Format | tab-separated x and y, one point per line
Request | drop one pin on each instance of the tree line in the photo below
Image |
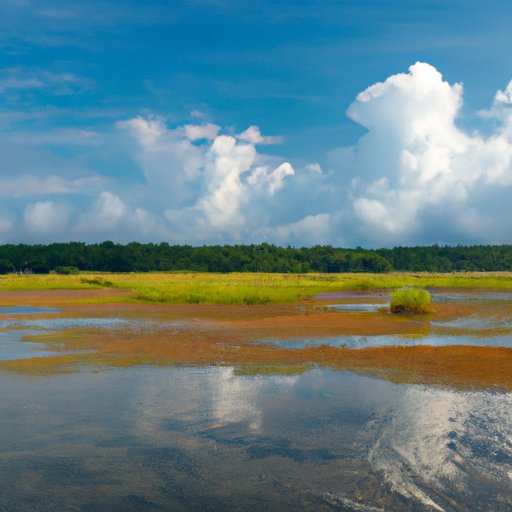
138	257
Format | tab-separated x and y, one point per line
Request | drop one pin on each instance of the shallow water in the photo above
470	295
356	341
370	307
11	339
11	346
25	310
64	323
193	438
206	439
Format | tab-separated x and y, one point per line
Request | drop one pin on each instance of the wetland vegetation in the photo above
208	318
410	300
224	391
247	288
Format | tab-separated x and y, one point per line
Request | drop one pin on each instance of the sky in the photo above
342	122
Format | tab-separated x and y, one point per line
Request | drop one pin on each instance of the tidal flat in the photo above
111	401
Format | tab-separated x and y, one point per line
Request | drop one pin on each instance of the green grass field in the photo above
247	288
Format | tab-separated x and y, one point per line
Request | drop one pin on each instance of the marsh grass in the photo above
228	289
42	282
246	288
410	300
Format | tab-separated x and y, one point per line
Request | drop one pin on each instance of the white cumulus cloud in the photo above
104	215
211	186
46	221
418	175
414	177
204	131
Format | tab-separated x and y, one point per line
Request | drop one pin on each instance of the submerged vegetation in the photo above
410	300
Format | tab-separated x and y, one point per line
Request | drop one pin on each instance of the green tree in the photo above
6	267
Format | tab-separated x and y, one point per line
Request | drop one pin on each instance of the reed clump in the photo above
410	300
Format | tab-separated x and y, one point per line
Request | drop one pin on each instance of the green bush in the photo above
410	300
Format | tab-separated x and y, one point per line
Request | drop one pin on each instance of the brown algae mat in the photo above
229	335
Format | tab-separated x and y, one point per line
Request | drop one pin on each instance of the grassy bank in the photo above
248	288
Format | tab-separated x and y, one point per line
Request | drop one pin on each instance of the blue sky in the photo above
209	121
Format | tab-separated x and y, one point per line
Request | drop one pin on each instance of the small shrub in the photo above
410	300
96	281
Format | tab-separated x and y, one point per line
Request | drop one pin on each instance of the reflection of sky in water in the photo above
358	307
354	341
431	446
477	296
435	444
476	323
25	310
64	323
59	323
207	439
11	347
190	438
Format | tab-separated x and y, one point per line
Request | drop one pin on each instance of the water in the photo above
12	343
370	307
357	341
191	438
11	346
25	310
469	296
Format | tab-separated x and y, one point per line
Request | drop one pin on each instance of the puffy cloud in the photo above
414	177
104	215
108	216
254	136
226	162
315	167
169	160
204	131
212	186
505	96
271	180
417	173
316	229
46	221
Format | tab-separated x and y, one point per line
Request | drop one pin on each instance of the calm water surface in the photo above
208	439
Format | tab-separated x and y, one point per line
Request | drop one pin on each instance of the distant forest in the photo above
137	257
